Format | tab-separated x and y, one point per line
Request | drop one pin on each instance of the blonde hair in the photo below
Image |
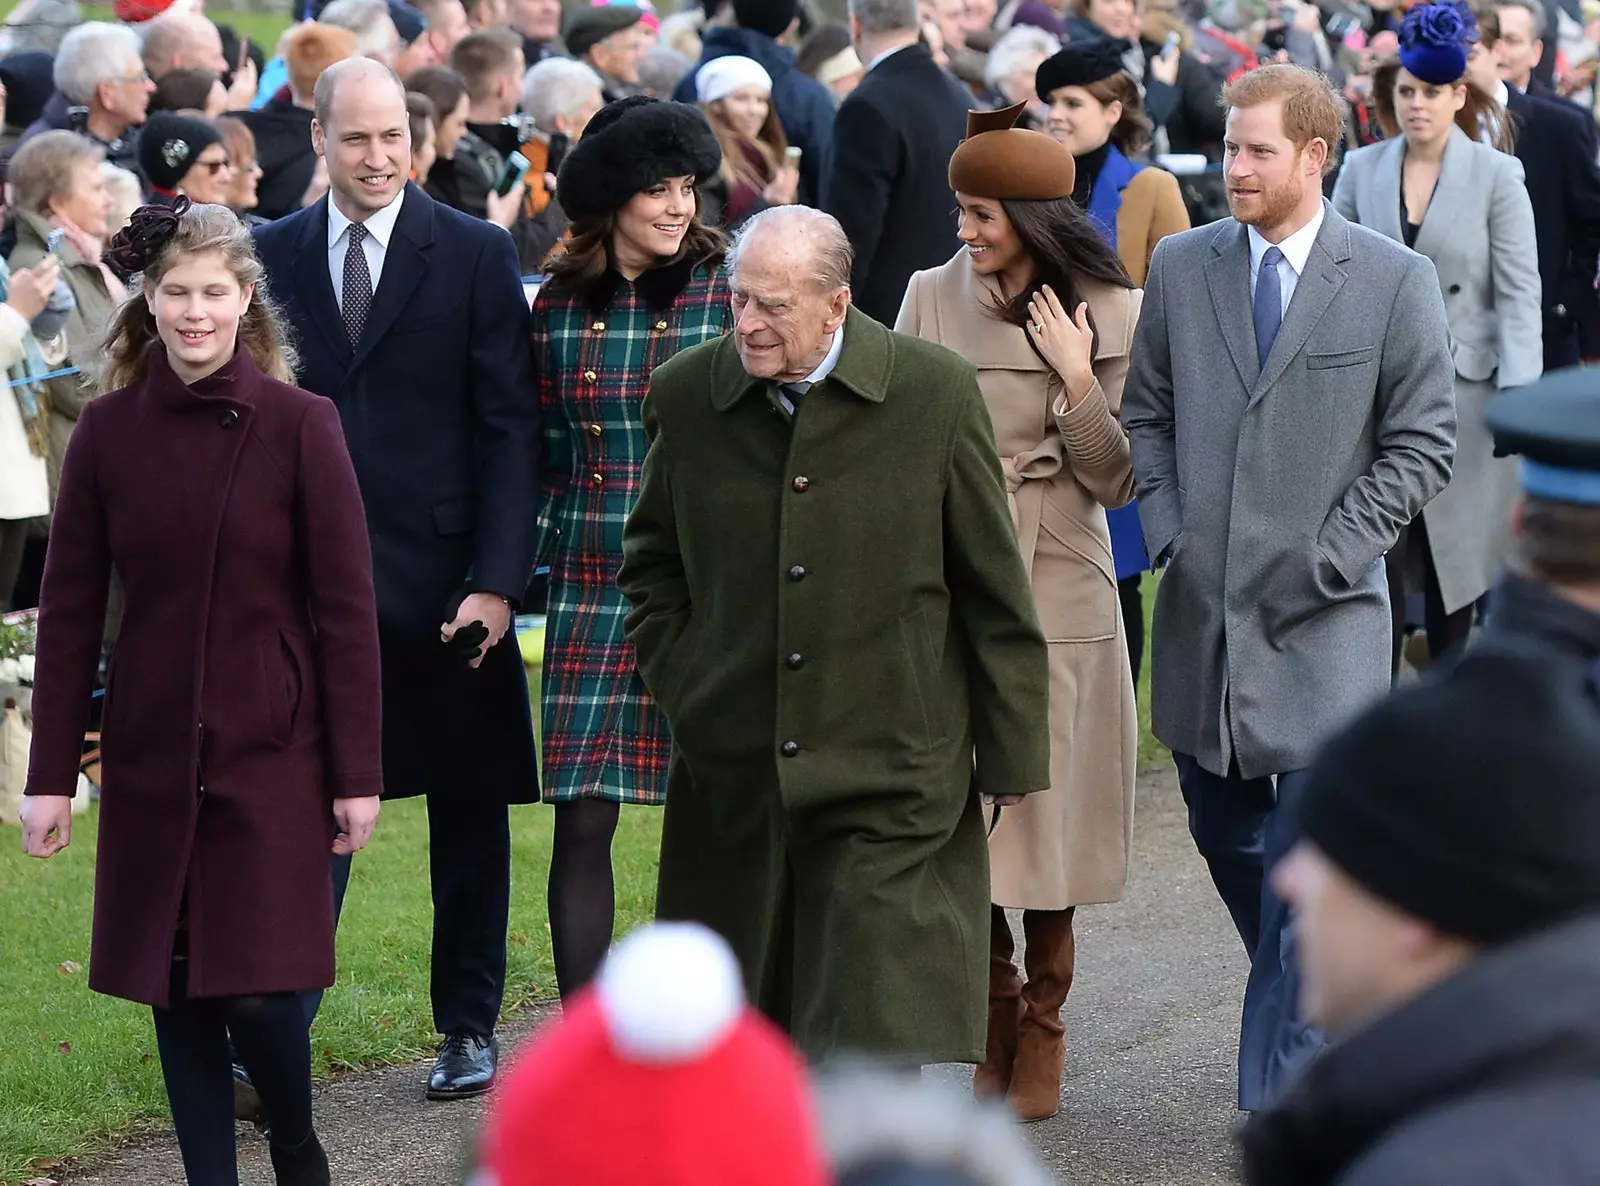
770	144
133	334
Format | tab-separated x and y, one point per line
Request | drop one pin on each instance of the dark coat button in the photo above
802	484
796	662
228	418
797	573
1455	288
791	748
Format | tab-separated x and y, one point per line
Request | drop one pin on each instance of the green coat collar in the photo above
863	368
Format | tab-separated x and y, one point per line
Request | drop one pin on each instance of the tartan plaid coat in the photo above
603	735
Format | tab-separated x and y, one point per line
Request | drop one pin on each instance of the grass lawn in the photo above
264	28
78	1069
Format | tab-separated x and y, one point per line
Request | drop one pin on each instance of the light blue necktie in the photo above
1268	304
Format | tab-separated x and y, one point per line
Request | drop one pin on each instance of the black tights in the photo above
13	542
1445	631
582	895
273	1043
1132	601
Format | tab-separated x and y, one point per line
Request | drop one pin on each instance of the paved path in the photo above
1151	1023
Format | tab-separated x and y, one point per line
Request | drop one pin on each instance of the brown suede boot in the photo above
1048	955
993	1076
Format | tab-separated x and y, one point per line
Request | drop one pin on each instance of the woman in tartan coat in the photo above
639	279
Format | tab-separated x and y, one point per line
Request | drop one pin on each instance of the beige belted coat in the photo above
1067	846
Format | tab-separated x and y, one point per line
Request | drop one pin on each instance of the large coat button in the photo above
802	484
796	661
797	573
791	748
228	418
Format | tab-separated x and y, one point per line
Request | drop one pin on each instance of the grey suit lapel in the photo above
1444	209
1386	190
1313	293
1228	276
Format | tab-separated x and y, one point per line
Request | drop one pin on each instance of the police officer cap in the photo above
1554	425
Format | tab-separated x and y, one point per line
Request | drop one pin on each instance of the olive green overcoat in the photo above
832	611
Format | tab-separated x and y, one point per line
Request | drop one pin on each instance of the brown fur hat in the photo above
1003	162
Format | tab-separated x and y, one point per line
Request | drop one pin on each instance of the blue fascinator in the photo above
1434	39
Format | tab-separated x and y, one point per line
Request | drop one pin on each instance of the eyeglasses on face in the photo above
213	167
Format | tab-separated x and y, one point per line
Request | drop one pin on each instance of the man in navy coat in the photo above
411	318
1557	144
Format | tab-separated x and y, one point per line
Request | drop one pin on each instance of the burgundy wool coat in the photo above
243	691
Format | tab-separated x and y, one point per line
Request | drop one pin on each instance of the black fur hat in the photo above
629	146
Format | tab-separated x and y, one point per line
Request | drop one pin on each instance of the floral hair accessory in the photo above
149	230
1434	39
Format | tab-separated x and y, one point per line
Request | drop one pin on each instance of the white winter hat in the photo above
720	77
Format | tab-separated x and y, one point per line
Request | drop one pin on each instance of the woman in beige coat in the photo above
1041	305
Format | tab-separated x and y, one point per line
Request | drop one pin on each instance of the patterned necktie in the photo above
1268	304
791	394
357	284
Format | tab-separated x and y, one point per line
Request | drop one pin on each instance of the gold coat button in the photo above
595	430
599	327
661	327
597	478
589	376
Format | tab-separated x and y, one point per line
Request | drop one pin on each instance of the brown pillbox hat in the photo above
1007	163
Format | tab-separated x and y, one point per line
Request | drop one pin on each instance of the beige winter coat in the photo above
1069	845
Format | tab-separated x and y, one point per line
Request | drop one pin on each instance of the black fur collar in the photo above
660	287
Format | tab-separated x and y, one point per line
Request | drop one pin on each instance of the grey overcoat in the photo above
1478	232
1281	489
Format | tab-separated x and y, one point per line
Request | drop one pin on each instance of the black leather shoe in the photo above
466	1066
306	1165
246	1100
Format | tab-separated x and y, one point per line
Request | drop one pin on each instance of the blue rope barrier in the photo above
47	375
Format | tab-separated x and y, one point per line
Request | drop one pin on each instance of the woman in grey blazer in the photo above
1435	186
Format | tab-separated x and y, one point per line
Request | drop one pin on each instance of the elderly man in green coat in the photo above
829	605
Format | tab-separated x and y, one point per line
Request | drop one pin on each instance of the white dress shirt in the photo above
824	368
1296	254
380	227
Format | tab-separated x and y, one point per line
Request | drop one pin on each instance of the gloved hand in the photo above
57	309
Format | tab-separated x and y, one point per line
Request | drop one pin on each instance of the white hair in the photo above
831	254
558	87
1019	43
38	26
93	53
885	16
369	20
1536	13
873	1117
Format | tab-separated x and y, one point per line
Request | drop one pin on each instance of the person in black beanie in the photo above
1447	900
29	83
184	154
751	29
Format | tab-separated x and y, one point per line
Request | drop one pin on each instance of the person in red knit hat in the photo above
716	1094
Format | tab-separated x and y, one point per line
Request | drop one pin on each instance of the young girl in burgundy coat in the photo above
241	724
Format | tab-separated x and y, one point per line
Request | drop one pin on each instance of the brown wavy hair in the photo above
1133	131
133	337
583	256
1480	109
